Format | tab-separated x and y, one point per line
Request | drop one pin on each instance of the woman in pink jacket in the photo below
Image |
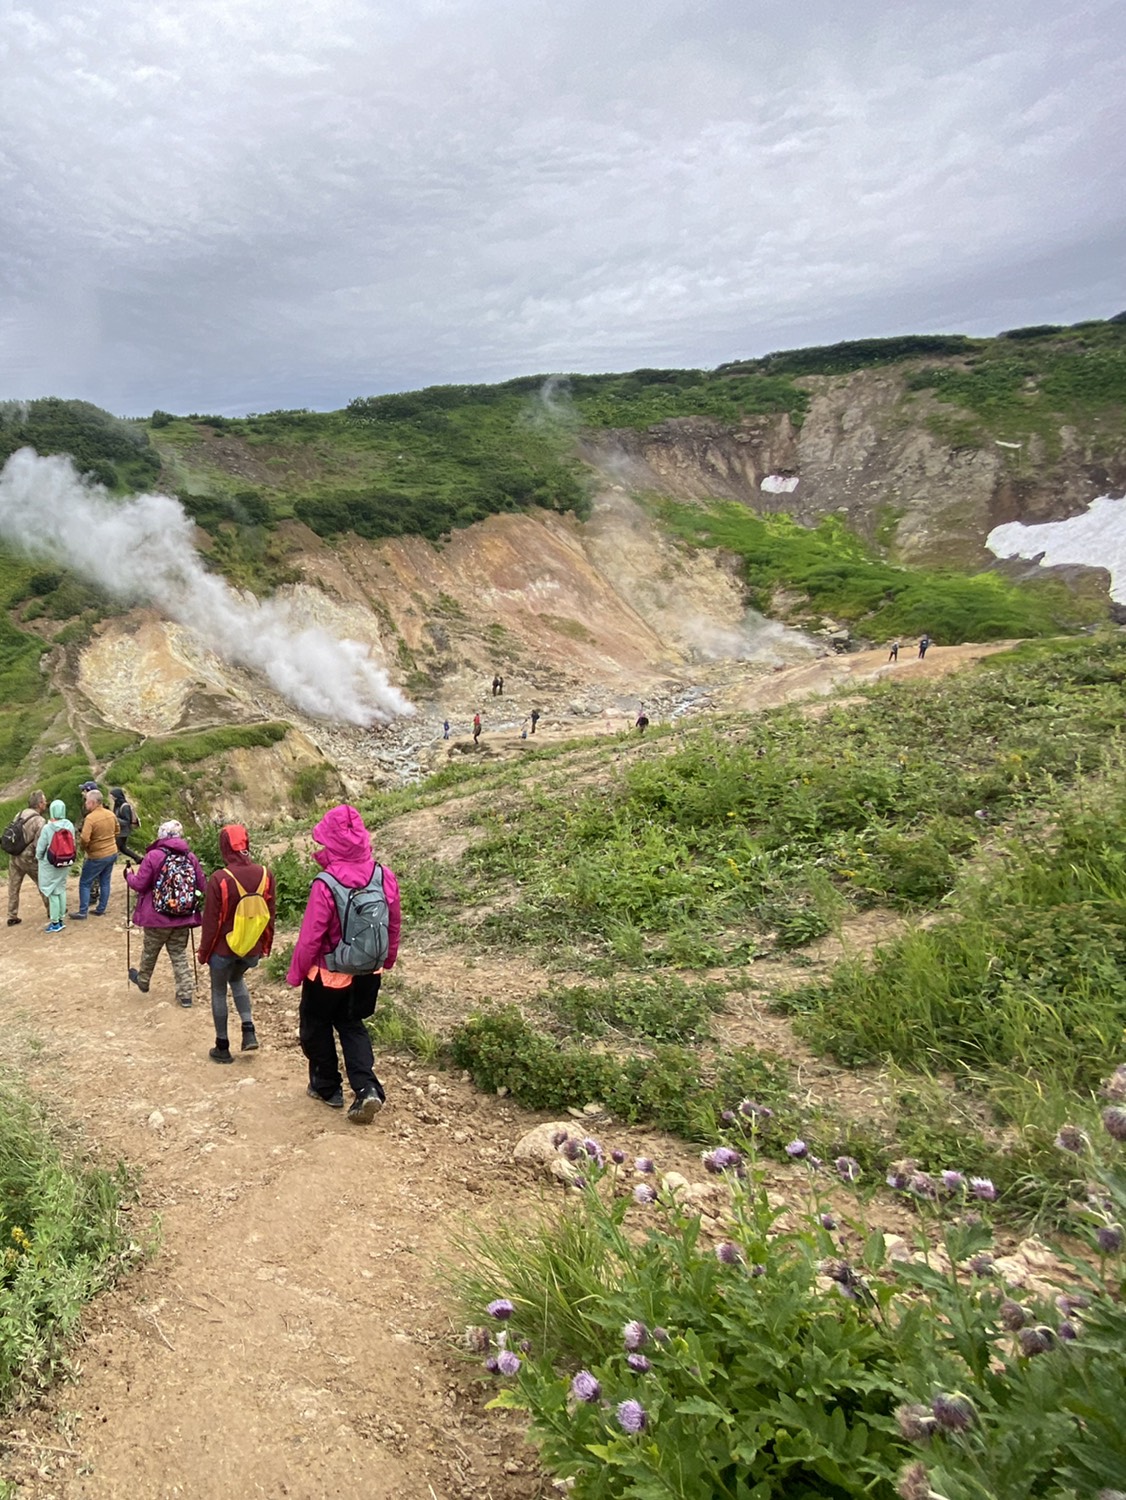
349	936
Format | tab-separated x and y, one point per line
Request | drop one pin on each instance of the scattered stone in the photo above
155	1121
245	1083
502	1091
537	1147
673	1183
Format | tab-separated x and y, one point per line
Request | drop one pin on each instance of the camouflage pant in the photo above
175	940
17	874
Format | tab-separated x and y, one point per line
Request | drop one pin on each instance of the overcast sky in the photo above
235	205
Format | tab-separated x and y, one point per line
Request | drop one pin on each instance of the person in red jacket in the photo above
333	1001
240	877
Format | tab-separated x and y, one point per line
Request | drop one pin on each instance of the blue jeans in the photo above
99	870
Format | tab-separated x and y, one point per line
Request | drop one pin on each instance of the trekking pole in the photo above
128	933
195	971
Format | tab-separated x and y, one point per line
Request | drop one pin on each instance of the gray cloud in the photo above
246	204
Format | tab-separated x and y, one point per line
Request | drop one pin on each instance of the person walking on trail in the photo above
169	883
535	718
55	851
445	729
99	847
500	686
496	685
127	822
641	723
924	642
476	727
19	841
238	930
349	938
893	652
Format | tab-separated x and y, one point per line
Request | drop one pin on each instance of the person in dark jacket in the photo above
127	822
334	1002
239	877
161	929
25	866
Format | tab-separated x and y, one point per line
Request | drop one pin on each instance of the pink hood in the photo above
347	846
347	855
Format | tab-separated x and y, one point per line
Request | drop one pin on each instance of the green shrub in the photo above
666	1010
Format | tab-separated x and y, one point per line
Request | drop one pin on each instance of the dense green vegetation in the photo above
62	1238
840	576
116	453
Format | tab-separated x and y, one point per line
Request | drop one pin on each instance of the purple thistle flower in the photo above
594	1150
617	1156
1109	1238
828	1222
848	1168
1071	1138
797	1149
953	1182
558	1137
915	1422
729	1117
638	1363
982	1265
501	1308
643	1165
1114	1122
645	1192
491	1364
477	1340
982	1188
584	1387
953	1413
758	1269
750	1109
898	1180
1012	1316
1114	1088
1068	1332
722	1159
634	1335
525	1346
571	1148
631	1417
922	1185
1071	1302
661	1335
914	1482
728	1254
1035	1340
578	1180
508	1363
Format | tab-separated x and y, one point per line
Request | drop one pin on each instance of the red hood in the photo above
347	852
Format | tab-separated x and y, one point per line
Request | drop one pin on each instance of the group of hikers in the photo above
349	933
893	648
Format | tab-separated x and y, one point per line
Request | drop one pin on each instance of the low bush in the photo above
665	1010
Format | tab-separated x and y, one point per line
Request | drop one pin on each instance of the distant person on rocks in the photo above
23	863
127	822
238	930
169	883
496	686
476	727
535	718
500	686
924	642
641	723
445	729
99	847
55	851
893	653
349	937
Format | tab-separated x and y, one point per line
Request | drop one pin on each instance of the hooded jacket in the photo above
143	878
52	877
223	898
347	856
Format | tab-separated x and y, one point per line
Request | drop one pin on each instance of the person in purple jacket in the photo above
169	883
334	1000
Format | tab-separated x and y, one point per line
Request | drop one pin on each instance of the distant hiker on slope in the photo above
641	723
55	850
169	883
238	930
349	937
496	685
535	718
893	653
18	841
127	822
445	729
924	642
99	847
476	727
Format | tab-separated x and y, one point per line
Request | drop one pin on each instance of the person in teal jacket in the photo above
52	878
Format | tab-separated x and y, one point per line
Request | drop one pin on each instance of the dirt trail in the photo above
289	1338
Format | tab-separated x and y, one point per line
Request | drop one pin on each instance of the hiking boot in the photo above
98	912
77	916
221	1052
249	1039
142	984
185	1001
335	1100
365	1107
14	921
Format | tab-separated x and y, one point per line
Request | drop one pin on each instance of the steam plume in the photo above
141	550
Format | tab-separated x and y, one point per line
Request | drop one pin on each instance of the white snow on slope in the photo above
1096	539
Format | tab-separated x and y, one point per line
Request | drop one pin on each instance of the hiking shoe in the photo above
77	916
14	921
186	1001
365	1107
249	1039
221	1053
335	1100
53	927
142	984
99	912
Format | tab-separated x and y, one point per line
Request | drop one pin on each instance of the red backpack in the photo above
60	851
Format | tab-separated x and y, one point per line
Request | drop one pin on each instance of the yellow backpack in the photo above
251	918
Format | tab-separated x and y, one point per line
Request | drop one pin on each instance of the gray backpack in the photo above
364	920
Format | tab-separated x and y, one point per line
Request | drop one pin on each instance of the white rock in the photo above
536	1148
673	1183
245	1083
155	1121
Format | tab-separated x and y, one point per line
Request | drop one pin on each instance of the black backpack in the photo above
14	838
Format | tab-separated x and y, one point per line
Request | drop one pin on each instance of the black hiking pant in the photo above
326	1014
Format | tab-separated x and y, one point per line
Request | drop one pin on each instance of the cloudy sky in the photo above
234	205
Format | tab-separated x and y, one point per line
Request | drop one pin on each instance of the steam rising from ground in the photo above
141	551
758	639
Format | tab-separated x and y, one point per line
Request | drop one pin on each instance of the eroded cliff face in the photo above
865	451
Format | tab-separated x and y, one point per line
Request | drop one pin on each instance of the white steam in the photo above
141	550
